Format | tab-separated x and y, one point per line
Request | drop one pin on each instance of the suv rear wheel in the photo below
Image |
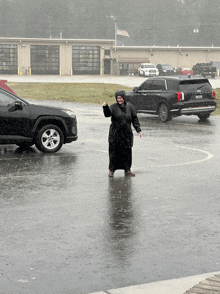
49	139
164	113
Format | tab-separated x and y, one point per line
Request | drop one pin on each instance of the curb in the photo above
174	286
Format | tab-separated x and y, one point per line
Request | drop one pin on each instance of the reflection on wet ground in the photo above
184	131
121	231
25	172
29	161
178	126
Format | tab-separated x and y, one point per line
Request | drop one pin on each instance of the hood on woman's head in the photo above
120	93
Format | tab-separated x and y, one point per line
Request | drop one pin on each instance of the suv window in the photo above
195	85
153	85
173	85
149	66
159	85
148	85
5	99
167	66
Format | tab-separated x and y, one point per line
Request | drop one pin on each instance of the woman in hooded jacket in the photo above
120	138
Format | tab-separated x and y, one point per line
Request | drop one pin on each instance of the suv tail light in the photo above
214	94
180	96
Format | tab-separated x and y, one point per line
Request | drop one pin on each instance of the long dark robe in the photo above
120	135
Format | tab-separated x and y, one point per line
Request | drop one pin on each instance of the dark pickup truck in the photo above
204	69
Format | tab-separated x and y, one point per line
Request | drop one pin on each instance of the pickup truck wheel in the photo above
49	139
164	113
203	116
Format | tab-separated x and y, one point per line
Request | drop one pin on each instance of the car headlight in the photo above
69	112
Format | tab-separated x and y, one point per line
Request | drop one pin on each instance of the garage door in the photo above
44	60
86	60
8	59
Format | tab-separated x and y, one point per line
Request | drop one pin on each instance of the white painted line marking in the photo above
209	156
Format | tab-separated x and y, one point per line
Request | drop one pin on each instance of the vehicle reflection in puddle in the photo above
32	171
178	126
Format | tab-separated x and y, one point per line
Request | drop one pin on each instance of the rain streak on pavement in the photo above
68	228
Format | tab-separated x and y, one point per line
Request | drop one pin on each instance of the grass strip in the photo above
68	92
217	111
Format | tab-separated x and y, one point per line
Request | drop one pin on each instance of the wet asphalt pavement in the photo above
68	228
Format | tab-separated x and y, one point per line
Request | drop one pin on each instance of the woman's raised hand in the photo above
104	103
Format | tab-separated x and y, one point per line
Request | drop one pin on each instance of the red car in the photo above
184	71
4	86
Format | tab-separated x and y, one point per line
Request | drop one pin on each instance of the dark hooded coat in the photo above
120	133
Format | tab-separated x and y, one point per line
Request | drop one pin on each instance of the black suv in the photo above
165	70
173	96
26	124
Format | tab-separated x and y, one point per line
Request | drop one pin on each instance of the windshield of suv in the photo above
167	66
149	66
194	85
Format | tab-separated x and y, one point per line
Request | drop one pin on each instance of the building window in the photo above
107	52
